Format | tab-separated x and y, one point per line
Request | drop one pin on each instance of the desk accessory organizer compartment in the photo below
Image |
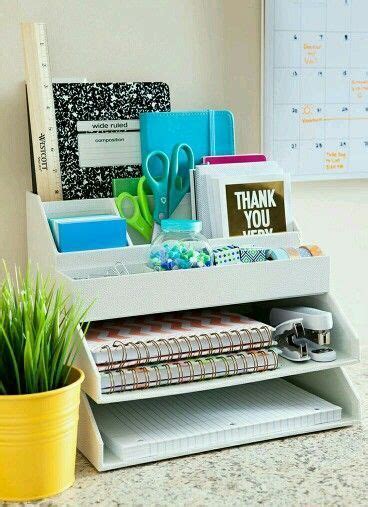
152	292
255	286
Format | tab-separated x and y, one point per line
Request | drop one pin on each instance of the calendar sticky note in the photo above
316	87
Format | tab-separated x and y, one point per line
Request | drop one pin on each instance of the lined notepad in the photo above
158	428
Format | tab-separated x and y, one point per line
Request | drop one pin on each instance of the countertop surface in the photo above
327	468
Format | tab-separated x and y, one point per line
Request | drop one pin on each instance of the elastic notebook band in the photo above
212	131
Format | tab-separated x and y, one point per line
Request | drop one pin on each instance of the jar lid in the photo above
181	225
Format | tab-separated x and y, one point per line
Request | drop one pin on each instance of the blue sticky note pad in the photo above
75	234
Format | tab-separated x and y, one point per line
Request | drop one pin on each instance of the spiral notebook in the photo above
190	370
173	336
158	428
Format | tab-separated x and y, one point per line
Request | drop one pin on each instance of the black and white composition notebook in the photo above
98	132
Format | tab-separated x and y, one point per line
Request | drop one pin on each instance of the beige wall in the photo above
209	53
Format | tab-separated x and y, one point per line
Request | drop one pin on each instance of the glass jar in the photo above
180	245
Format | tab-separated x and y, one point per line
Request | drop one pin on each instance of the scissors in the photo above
141	220
169	187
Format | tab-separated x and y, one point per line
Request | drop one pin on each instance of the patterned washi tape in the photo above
253	254
229	254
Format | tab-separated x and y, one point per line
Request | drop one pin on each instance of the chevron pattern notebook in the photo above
190	370
174	336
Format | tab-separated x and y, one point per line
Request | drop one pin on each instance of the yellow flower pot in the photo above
38	438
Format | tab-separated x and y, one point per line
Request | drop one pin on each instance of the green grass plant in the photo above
38	334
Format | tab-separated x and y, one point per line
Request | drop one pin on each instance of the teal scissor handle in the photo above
179	183
136	220
159	185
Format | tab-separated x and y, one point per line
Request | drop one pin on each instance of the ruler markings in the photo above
42	112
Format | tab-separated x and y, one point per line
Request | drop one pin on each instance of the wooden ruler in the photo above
41	112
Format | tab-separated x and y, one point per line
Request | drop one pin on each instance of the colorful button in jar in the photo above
180	246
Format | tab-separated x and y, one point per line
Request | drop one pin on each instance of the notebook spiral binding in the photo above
234	364
257	338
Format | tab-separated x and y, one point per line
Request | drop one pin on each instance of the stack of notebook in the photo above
152	351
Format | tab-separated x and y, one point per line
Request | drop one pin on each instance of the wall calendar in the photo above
315	102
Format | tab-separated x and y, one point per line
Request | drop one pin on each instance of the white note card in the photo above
316	87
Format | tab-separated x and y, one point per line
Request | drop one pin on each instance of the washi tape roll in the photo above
314	250
304	251
277	254
293	253
251	254
226	255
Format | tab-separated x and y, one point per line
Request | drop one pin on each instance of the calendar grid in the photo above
325	87
349	133
300	94
319	86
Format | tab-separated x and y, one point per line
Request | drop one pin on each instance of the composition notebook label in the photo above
108	143
255	208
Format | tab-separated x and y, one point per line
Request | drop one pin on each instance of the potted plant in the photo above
39	387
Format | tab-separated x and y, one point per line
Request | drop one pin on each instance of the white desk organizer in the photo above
256	286
152	292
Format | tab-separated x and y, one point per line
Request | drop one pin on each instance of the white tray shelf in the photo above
332	385
286	369
257	287
157	292
344	341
